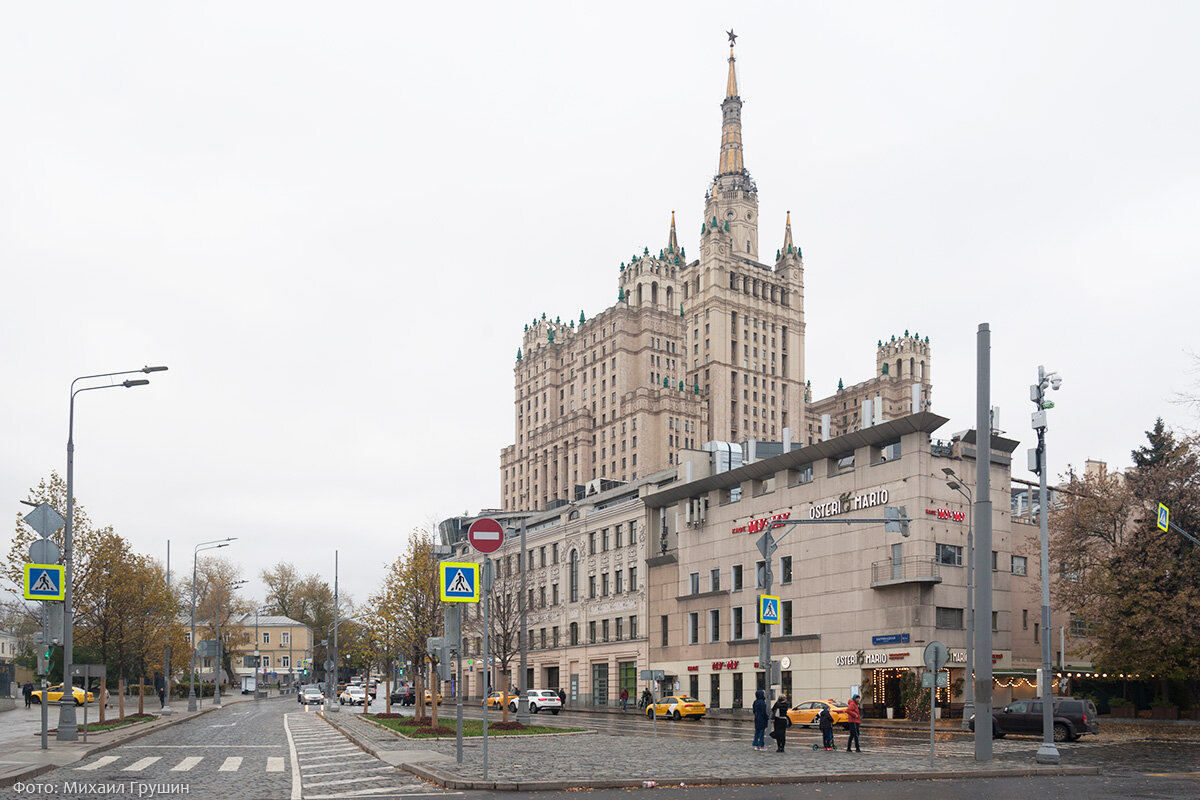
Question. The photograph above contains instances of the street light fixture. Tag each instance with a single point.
(213, 545)
(1048, 752)
(955, 483)
(68, 730)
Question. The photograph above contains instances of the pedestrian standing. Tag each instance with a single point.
(562, 697)
(854, 712)
(825, 723)
(781, 721)
(624, 700)
(646, 700)
(27, 690)
(760, 720)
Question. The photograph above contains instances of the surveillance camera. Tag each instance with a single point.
(1055, 382)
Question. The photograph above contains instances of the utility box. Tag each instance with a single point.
(249, 684)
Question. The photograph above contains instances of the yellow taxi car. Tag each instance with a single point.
(494, 700)
(427, 696)
(55, 695)
(806, 713)
(677, 707)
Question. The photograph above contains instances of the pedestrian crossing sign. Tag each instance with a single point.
(44, 582)
(768, 609)
(459, 583)
(1164, 518)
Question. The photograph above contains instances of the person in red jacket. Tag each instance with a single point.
(854, 712)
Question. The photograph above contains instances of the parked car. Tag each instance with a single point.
(1072, 717)
(55, 694)
(439, 697)
(354, 695)
(543, 700)
(677, 707)
(405, 696)
(806, 713)
(311, 695)
(372, 690)
(494, 699)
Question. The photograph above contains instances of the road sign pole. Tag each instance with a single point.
(458, 721)
(486, 588)
(45, 683)
(932, 713)
(523, 681)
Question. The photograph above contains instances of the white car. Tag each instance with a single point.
(354, 695)
(541, 700)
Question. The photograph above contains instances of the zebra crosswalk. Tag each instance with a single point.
(186, 764)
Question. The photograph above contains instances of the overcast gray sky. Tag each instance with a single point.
(332, 220)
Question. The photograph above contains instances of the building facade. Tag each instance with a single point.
(283, 646)
(708, 349)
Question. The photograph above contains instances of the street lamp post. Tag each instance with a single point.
(969, 701)
(68, 730)
(166, 709)
(213, 545)
(1048, 752)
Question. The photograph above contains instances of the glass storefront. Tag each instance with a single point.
(599, 684)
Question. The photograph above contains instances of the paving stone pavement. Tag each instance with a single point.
(587, 757)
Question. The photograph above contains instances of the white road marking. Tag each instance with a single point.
(142, 763)
(347, 780)
(389, 791)
(102, 761)
(231, 764)
(343, 772)
(187, 763)
(275, 764)
(327, 759)
(295, 763)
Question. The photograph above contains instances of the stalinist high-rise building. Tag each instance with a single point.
(707, 349)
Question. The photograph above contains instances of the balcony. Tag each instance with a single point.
(911, 569)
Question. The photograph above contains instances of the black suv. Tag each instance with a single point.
(1073, 717)
(404, 695)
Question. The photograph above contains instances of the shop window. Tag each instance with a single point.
(949, 555)
(950, 618)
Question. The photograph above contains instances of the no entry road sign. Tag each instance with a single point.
(486, 535)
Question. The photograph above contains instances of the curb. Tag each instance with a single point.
(136, 733)
(449, 781)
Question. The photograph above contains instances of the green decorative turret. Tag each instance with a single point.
(841, 386)
(681, 386)
(682, 252)
(906, 333)
(727, 226)
(620, 295)
(880, 343)
(645, 250)
(558, 320)
(701, 228)
(543, 316)
(885, 368)
(622, 266)
(526, 327)
(666, 383)
(696, 388)
(581, 317)
(550, 335)
(677, 261)
(518, 354)
(926, 340)
(777, 255)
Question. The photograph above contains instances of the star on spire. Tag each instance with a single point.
(732, 36)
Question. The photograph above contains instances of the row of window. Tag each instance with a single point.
(617, 629)
(736, 576)
(739, 626)
(951, 555)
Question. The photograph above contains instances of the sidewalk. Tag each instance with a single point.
(596, 761)
(23, 757)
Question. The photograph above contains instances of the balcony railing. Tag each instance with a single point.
(910, 569)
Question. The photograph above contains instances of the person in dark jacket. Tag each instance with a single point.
(27, 690)
(825, 723)
(562, 697)
(779, 717)
(760, 720)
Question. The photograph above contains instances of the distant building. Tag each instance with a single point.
(692, 351)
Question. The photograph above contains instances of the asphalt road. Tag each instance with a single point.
(268, 750)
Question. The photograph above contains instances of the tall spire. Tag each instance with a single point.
(787, 234)
(673, 240)
(731, 121)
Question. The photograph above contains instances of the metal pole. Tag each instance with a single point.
(487, 668)
(1047, 753)
(969, 704)
(523, 683)
(333, 706)
(983, 549)
(166, 709)
(932, 710)
(45, 704)
(257, 657)
(764, 636)
(67, 731)
(458, 720)
(192, 676)
(217, 671)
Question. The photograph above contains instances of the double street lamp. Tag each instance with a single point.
(67, 727)
(956, 483)
(213, 545)
(231, 585)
